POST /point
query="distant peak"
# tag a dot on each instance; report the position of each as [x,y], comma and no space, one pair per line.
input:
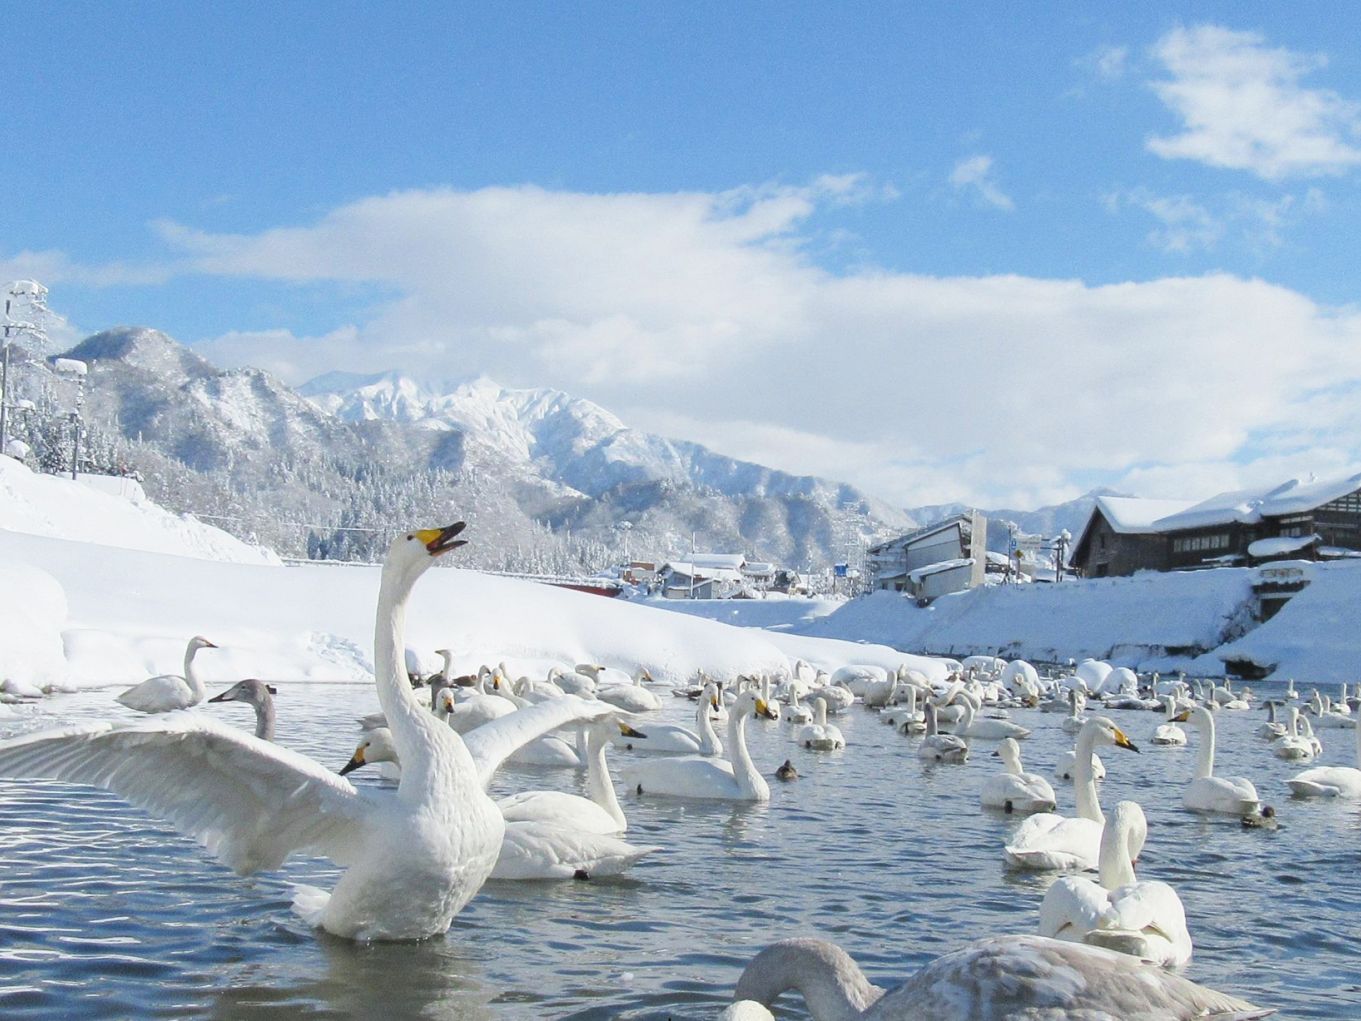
[145,348]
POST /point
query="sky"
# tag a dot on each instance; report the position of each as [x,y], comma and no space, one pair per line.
[998,255]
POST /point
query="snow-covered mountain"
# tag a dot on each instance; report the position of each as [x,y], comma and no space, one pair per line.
[331,472]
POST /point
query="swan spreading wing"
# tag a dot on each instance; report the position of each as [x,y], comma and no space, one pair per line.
[494,742]
[250,802]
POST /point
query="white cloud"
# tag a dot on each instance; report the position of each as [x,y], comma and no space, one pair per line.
[1186,225]
[1243,107]
[975,174]
[1109,63]
[701,316]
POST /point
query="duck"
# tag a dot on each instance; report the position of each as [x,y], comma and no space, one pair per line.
[169,692]
[260,696]
[698,776]
[1168,733]
[1000,978]
[786,772]
[1048,841]
[820,735]
[411,861]
[1139,917]
[1329,781]
[938,747]
[1210,794]
[1013,789]
[599,813]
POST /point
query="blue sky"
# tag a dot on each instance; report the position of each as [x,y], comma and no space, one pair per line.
[999,254]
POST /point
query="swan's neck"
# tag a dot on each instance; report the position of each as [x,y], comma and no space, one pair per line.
[749,780]
[264,719]
[436,767]
[1084,778]
[1271,712]
[832,985]
[1357,731]
[1205,757]
[1116,869]
[708,739]
[598,781]
[912,700]
[191,676]
[820,712]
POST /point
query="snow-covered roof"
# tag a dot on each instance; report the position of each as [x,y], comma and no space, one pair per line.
[725,561]
[940,568]
[1281,544]
[1130,515]
[700,572]
[756,567]
[1249,506]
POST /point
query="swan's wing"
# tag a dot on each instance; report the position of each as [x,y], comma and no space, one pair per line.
[250,802]
[492,743]
[1072,907]
[1146,905]
[1025,976]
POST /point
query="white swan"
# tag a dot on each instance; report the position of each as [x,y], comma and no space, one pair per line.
[1050,841]
[798,713]
[260,697]
[1013,789]
[1005,978]
[673,739]
[1167,732]
[544,850]
[413,859]
[1292,745]
[1066,767]
[1140,917]
[1073,722]
[631,697]
[1223,795]
[1272,728]
[600,813]
[1329,781]
[820,735]
[985,727]
[697,776]
[170,691]
[938,747]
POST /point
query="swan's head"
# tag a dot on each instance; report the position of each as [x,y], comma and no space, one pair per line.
[1105,731]
[1009,752]
[626,731]
[376,747]
[446,701]
[413,552]
[250,690]
[199,642]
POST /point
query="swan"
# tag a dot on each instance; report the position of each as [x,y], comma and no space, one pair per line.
[631,697]
[1292,745]
[697,776]
[1307,732]
[1013,789]
[1168,733]
[820,735]
[261,698]
[543,850]
[1073,722]
[906,716]
[798,713]
[1066,767]
[1051,841]
[1272,728]
[599,813]
[170,691]
[673,739]
[1225,795]
[412,858]
[938,747]
[1140,917]
[1329,781]
[986,728]
[1003,978]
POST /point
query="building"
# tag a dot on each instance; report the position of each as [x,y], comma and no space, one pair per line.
[1121,537]
[1296,520]
[703,576]
[949,556]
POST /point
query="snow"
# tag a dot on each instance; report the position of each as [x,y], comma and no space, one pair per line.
[122,608]
[940,568]
[114,512]
[1251,505]
[1278,545]
[1134,516]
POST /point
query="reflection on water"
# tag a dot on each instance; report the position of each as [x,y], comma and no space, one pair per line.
[104,913]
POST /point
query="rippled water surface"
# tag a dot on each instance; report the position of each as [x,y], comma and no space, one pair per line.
[106,913]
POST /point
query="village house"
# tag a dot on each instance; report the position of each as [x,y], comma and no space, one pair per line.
[945,557]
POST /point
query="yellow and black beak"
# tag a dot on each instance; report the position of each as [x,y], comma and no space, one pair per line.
[627,731]
[1121,741]
[763,710]
[1182,716]
[356,760]
[441,540]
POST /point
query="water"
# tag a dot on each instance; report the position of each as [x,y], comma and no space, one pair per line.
[106,913]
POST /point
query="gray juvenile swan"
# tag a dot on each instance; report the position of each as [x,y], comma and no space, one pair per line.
[1004,978]
[260,696]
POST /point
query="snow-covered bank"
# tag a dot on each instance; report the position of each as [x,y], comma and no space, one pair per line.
[129,614]
[111,511]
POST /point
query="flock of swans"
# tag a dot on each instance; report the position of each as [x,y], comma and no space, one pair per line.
[415,856]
